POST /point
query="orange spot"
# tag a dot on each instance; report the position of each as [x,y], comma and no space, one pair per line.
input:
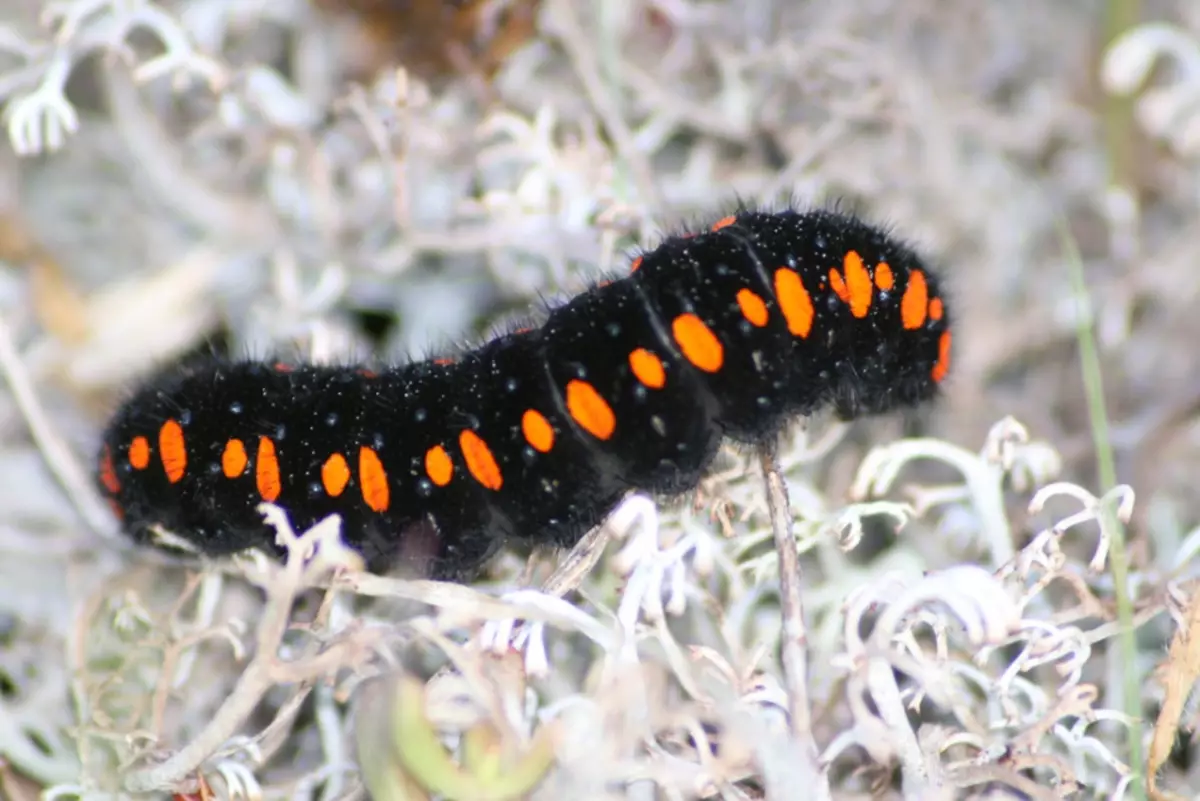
[108,473]
[281,367]
[935,309]
[858,284]
[753,308]
[699,344]
[648,368]
[172,450]
[335,475]
[885,279]
[266,470]
[233,458]
[603,284]
[373,480]
[522,330]
[915,303]
[444,362]
[537,430]
[795,301]
[724,222]
[839,285]
[139,453]
[589,410]
[365,373]
[942,366]
[481,464]
[438,466]
[637,265]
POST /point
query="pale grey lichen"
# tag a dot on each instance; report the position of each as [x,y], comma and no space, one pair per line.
[958,590]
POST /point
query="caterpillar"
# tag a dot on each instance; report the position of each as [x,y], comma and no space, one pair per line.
[727,332]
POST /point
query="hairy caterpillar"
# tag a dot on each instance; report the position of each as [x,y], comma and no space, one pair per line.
[537,434]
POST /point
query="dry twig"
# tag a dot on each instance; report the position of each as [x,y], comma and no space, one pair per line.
[794,638]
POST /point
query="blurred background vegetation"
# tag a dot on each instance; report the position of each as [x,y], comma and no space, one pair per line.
[391,178]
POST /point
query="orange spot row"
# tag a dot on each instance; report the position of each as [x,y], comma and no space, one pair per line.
[584,404]
[170,448]
[335,472]
[855,289]
[480,461]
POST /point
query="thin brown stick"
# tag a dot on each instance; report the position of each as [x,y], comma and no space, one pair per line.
[794,637]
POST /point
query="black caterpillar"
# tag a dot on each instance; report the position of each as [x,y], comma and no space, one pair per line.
[539,433]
